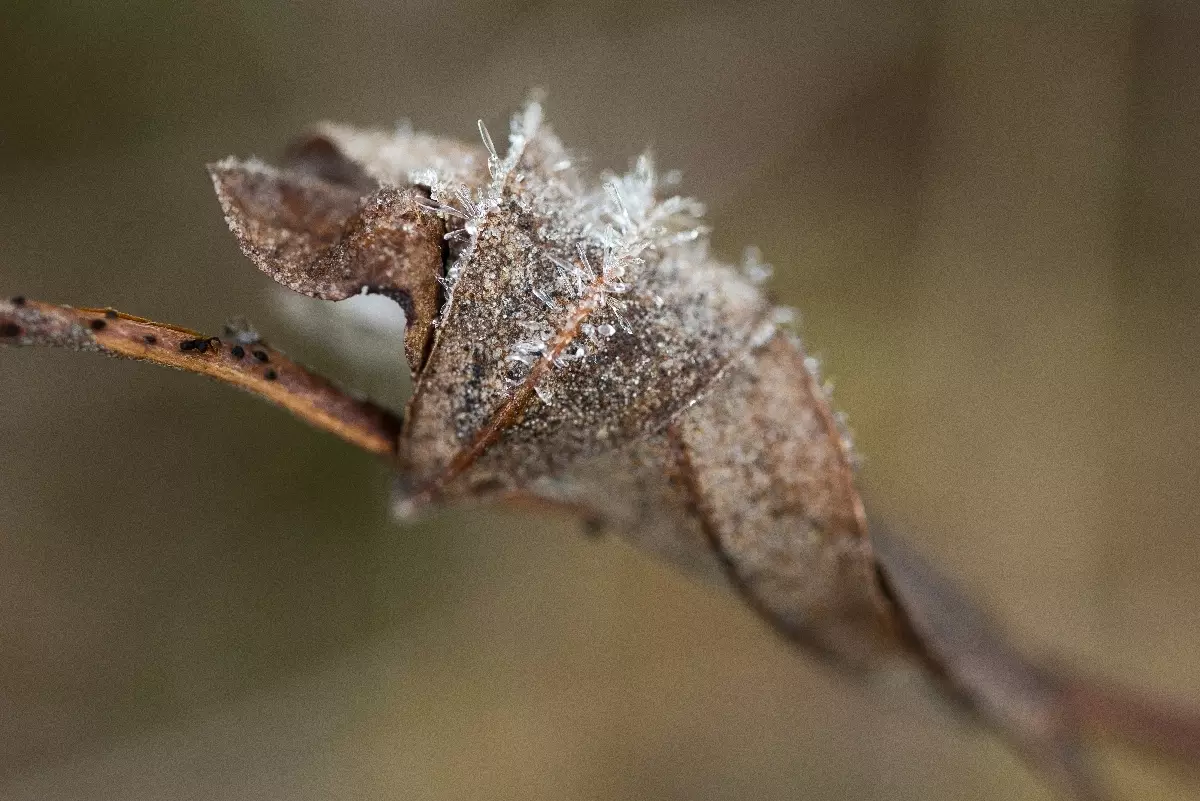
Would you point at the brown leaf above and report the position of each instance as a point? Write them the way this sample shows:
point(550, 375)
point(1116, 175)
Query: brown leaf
point(638, 492)
point(753, 482)
point(349, 155)
point(772, 479)
point(327, 241)
point(588, 353)
point(321, 157)
point(403, 156)
point(579, 320)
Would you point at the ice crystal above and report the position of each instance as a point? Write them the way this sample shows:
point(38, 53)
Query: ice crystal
point(596, 296)
point(588, 284)
point(753, 266)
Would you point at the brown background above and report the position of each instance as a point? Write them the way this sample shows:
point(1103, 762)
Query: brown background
point(989, 219)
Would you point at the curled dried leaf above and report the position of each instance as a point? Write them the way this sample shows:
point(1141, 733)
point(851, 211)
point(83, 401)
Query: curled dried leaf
point(403, 156)
point(321, 157)
point(328, 241)
point(580, 319)
point(639, 492)
point(575, 344)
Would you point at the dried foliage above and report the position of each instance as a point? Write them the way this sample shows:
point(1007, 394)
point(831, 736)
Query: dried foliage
point(574, 343)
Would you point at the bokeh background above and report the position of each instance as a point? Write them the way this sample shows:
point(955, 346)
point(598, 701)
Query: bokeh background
point(989, 219)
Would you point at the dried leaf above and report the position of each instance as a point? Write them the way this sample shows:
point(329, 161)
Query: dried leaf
point(639, 493)
point(581, 318)
point(582, 349)
point(321, 157)
point(328, 241)
point(403, 156)
point(752, 482)
point(772, 477)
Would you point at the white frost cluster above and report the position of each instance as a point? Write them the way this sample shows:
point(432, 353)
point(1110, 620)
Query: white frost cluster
point(598, 238)
point(643, 221)
point(754, 268)
point(402, 155)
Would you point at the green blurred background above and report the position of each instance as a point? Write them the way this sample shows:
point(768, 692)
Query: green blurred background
point(989, 220)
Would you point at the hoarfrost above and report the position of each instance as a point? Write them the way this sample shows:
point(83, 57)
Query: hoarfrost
point(753, 266)
point(553, 266)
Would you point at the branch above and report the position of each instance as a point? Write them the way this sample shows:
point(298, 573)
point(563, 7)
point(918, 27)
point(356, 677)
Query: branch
point(1046, 710)
point(1156, 725)
point(254, 367)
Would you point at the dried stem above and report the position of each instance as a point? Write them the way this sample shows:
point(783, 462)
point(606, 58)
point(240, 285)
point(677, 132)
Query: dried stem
point(1046, 710)
point(1154, 724)
point(755, 472)
point(256, 368)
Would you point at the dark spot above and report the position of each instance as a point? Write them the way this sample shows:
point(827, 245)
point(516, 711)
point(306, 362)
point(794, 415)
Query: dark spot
point(19, 300)
point(271, 375)
point(237, 351)
point(10, 330)
point(199, 344)
point(110, 314)
point(262, 356)
point(150, 339)
point(514, 372)
point(98, 325)
point(593, 526)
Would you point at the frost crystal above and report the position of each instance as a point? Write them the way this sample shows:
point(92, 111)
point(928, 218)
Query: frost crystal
point(753, 266)
point(544, 395)
point(598, 297)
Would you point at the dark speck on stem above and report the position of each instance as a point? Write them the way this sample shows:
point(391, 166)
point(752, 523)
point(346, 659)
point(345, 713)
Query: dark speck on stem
point(271, 375)
point(237, 351)
point(262, 356)
point(98, 325)
point(110, 314)
point(202, 345)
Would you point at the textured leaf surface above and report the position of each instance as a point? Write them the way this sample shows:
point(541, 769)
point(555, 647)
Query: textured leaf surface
point(328, 241)
point(580, 319)
point(589, 353)
point(640, 493)
point(771, 471)
point(402, 156)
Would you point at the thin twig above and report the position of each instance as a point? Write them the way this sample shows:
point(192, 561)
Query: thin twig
point(1158, 725)
point(256, 368)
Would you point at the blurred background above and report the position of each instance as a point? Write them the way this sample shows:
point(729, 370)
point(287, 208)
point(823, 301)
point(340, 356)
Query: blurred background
point(989, 221)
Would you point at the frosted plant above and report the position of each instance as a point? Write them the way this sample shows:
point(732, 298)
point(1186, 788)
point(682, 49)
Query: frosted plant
point(574, 342)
